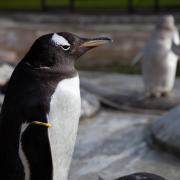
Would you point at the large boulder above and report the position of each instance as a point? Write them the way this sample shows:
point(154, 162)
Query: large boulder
point(5, 73)
point(89, 104)
point(125, 92)
point(165, 131)
point(10, 56)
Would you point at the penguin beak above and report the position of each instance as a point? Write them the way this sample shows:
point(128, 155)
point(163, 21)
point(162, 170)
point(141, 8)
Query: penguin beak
point(91, 43)
point(87, 44)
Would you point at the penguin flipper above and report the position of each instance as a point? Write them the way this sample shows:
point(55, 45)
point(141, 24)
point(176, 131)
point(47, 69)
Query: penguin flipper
point(35, 143)
point(138, 57)
point(176, 43)
point(176, 49)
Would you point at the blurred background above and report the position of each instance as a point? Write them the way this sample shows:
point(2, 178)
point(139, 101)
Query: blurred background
point(119, 132)
point(128, 22)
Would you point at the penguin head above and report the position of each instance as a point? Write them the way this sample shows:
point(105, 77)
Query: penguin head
point(60, 49)
point(166, 22)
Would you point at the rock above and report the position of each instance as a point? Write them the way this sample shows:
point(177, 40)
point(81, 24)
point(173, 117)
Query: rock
point(10, 56)
point(125, 92)
point(1, 99)
point(113, 144)
point(5, 73)
point(141, 175)
point(89, 104)
point(165, 131)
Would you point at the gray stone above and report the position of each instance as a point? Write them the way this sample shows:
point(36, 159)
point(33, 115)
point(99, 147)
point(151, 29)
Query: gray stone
point(7, 55)
point(165, 131)
point(1, 99)
point(114, 144)
point(125, 92)
point(5, 73)
point(89, 104)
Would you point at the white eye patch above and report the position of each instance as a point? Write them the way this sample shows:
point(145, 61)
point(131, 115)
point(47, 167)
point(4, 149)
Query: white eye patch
point(59, 40)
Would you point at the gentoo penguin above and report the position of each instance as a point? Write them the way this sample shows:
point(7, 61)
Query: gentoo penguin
point(159, 62)
point(140, 176)
point(41, 109)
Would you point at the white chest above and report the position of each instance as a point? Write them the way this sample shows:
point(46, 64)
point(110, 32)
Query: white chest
point(64, 115)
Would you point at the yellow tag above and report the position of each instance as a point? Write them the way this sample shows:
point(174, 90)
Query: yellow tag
point(48, 125)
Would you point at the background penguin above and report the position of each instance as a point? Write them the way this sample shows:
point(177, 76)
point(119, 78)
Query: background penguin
point(140, 176)
point(40, 113)
point(159, 62)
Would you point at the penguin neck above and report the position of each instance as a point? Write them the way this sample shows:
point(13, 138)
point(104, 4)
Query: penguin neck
point(64, 70)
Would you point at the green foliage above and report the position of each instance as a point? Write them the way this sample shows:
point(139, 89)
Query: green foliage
point(101, 4)
point(36, 4)
point(20, 4)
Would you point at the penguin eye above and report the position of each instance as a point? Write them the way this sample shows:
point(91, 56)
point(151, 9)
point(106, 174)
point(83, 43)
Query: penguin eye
point(65, 47)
